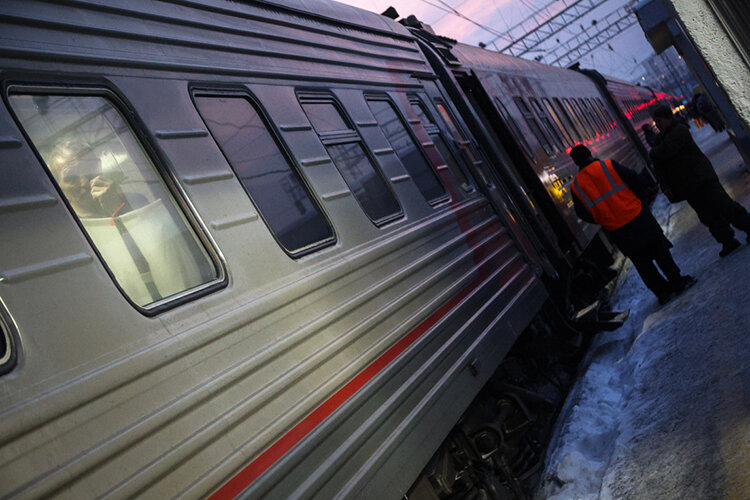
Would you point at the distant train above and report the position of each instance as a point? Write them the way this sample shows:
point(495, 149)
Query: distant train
point(277, 249)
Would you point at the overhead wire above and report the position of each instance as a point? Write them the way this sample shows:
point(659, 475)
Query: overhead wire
point(450, 10)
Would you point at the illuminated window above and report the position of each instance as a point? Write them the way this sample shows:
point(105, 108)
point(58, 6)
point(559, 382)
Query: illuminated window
point(117, 194)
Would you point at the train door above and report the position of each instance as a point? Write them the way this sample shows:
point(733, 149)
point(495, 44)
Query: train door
point(506, 135)
point(456, 144)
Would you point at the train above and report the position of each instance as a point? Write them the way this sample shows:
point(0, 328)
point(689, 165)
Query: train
point(286, 249)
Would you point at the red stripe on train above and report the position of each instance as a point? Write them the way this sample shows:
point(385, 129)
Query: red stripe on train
point(277, 450)
point(250, 473)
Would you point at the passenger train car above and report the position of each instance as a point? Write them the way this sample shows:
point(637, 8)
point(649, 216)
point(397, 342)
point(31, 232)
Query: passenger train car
point(633, 104)
point(538, 113)
point(261, 250)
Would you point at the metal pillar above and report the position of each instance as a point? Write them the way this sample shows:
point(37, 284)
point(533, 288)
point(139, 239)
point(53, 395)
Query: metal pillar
point(663, 28)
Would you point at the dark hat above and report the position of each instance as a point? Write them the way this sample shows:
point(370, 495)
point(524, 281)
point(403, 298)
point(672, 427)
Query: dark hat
point(662, 112)
point(580, 155)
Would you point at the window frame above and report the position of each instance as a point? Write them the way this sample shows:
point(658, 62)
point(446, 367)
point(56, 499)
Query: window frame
point(600, 123)
point(607, 115)
point(581, 106)
point(294, 165)
point(477, 160)
point(8, 331)
point(378, 96)
point(573, 130)
point(575, 111)
point(514, 129)
point(569, 140)
point(533, 124)
point(415, 100)
point(351, 135)
point(547, 123)
point(158, 161)
point(576, 119)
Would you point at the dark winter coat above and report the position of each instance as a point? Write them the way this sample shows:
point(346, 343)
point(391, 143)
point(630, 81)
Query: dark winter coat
point(639, 234)
point(680, 165)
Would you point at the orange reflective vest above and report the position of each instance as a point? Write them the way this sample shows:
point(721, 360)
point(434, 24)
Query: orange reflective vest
point(609, 200)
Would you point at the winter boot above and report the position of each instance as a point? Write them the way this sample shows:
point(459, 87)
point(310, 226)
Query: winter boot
point(682, 283)
point(729, 247)
point(666, 296)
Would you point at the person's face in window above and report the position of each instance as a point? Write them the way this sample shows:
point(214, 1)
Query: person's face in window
point(78, 174)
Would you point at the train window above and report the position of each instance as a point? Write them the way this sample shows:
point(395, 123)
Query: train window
point(575, 132)
point(601, 126)
point(463, 143)
point(579, 106)
point(598, 111)
point(534, 125)
point(514, 128)
point(411, 155)
point(255, 155)
point(576, 112)
point(561, 127)
point(344, 146)
point(605, 112)
point(444, 151)
point(114, 189)
point(547, 124)
point(572, 113)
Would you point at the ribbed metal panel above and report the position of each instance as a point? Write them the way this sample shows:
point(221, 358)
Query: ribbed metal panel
point(204, 38)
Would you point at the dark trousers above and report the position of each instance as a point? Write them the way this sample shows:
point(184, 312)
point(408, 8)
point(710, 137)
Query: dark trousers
point(717, 210)
point(643, 260)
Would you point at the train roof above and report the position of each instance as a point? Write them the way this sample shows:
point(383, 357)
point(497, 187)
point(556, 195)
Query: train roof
point(488, 60)
point(289, 39)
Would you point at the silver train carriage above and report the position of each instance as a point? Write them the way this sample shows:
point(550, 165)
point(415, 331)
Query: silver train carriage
point(249, 249)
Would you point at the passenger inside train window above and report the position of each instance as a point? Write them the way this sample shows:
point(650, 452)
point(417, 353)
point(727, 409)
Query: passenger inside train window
point(117, 194)
point(277, 189)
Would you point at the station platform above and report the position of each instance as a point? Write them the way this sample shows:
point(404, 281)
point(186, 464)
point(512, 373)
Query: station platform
point(662, 410)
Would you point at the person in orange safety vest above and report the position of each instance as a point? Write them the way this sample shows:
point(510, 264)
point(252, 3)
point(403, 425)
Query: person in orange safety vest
point(608, 194)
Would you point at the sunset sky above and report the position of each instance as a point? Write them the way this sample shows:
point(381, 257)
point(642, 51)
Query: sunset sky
point(497, 16)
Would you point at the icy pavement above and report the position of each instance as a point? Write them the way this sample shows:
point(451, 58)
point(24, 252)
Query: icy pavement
point(663, 408)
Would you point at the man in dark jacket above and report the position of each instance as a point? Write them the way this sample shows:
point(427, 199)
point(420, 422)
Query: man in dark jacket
point(687, 173)
point(608, 194)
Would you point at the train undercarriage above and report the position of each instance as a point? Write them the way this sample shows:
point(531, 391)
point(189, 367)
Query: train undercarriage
point(497, 449)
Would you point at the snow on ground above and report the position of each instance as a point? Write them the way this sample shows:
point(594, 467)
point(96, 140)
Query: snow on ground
point(663, 407)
